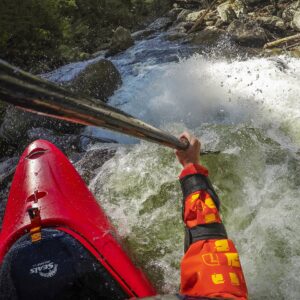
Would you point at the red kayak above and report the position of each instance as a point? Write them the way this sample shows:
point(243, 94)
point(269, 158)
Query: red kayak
point(50, 216)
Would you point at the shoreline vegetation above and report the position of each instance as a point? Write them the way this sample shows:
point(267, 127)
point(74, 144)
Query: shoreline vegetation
point(39, 36)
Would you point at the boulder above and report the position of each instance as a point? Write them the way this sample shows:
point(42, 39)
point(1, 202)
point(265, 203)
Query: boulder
point(296, 21)
point(247, 33)
point(98, 80)
point(271, 23)
point(121, 40)
point(290, 10)
point(226, 12)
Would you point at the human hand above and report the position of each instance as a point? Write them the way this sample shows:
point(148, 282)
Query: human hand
point(192, 153)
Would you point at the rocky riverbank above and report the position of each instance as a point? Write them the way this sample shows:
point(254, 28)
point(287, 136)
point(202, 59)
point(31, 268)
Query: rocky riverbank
point(262, 27)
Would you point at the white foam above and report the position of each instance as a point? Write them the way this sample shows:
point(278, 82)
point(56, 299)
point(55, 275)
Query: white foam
point(197, 90)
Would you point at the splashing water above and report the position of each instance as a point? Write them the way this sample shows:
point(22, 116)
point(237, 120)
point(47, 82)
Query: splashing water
point(247, 109)
point(251, 113)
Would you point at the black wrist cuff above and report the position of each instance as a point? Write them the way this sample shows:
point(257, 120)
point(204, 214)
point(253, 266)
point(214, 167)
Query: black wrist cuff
point(204, 232)
point(196, 182)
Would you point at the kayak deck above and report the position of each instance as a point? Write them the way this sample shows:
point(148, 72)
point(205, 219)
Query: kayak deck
point(45, 180)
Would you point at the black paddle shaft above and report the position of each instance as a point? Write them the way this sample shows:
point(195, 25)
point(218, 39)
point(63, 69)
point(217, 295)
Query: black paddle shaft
point(43, 97)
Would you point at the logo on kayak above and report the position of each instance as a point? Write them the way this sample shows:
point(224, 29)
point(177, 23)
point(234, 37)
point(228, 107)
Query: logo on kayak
point(46, 269)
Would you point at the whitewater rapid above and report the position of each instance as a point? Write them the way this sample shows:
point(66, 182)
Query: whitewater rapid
point(246, 108)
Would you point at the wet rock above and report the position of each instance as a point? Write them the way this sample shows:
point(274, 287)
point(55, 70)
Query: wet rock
point(160, 24)
point(3, 200)
point(247, 33)
point(208, 36)
point(98, 80)
point(121, 40)
point(296, 21)
point(68, 143)
point(7, 169)
point(226, 12)
point(194, 16)
point(271, 23)
point(17, 122)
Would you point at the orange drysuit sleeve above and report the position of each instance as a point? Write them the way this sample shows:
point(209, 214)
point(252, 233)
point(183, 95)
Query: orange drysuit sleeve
point(211, 265)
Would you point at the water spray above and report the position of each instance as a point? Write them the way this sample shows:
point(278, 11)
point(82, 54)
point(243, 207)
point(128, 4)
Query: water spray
point(37, 95)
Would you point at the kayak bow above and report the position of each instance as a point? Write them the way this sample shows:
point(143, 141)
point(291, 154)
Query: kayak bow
point(48, 193)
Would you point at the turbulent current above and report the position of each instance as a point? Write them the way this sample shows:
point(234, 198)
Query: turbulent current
point(249, 110)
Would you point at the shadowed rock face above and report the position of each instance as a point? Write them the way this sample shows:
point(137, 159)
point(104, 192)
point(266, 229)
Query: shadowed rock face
point(17, 122)
point(247, 33)
point(98, 80)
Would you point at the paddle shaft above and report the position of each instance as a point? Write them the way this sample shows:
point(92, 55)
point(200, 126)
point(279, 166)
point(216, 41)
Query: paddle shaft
point(38, 95)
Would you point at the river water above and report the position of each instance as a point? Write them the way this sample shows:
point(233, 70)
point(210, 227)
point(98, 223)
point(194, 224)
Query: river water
point(248, 109)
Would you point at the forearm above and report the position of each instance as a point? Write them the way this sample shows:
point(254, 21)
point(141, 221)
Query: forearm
point(211, 265)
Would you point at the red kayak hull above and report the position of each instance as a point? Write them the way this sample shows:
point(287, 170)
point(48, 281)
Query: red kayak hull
point(46, 177)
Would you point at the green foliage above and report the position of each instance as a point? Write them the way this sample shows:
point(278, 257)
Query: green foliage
point(38, 35)
point(29, 31)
